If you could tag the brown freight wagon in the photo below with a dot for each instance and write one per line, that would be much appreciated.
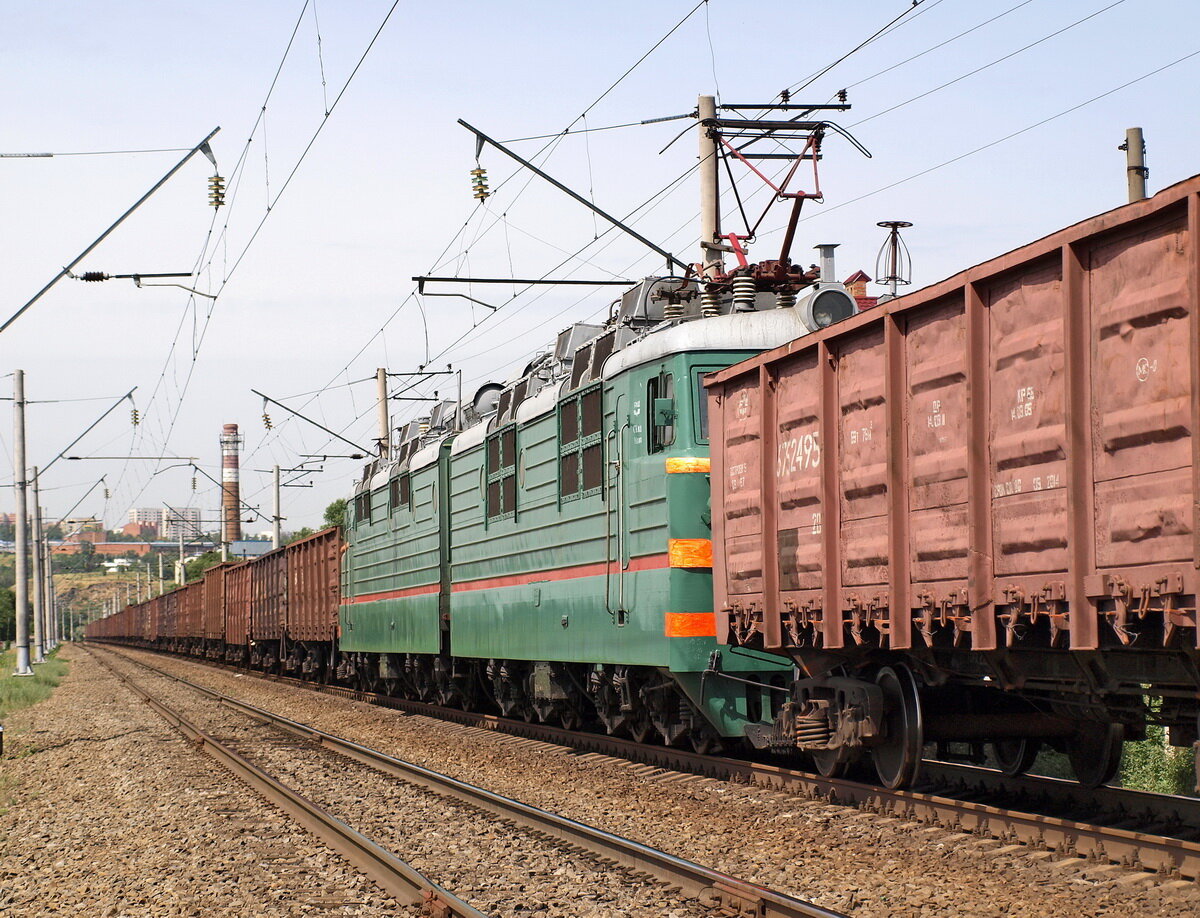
(312, 599)
(212, 628)
(989, 483)
(191, 611)
(268, 596)
(152, 617)
(168, 609)
(313, 590)
(237, 611)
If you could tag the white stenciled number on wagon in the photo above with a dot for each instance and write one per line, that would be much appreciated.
(798, 453)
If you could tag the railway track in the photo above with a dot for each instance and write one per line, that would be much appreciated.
(1152, 834)
(637, 863)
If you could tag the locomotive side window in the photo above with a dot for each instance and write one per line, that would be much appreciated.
(701, 396)
(568, 448)
(362, 508)
(400, 493)
(501, 494)
(660, 400)
(580, 444)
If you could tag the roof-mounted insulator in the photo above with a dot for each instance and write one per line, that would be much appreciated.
(479, 183)
(216, 191)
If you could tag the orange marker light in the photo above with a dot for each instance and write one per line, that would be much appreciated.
(678, 464)
(690, 552)
(690, 624)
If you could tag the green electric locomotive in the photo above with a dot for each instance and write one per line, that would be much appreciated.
(545, 550)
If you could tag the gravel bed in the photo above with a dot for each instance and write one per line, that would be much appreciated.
(500, 869)
(111, 813)
(832, 855)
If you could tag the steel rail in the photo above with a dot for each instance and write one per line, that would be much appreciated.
(710, 886)
(1069, 838)
(389, 872)
(1068, 795)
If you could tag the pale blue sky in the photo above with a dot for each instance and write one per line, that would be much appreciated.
(385, 188)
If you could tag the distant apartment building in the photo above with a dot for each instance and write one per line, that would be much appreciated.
(143, 523)
(180, 521)
(167, 523)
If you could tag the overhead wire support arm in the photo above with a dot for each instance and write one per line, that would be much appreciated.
(94, 276)
(422, 280)
(253, 510)
(338, 436)
(789, 107)
(482, 138)
(202, 146)
(66, 516)
(91, 427)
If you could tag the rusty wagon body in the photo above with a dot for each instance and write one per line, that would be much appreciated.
(992, 482)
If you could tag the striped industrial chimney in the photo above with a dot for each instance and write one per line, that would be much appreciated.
(231, 498)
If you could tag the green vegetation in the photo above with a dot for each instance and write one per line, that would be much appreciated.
(299, 534)
(335, 513)
(8, 614)
(197, 566)
(1152, 765)
(21, 692)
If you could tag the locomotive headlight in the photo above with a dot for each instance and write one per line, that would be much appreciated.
(826, 305)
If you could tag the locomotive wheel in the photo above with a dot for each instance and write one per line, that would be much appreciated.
(1095, 752)
(898, 757)
(638, 724)
(704, 740)
(569, 717)
(1015, 757)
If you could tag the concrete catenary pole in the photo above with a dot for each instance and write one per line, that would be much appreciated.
(710, 213)
(385, 438)
(22, 525)
(1135, 163)
(231, 517)
(276, 519)
(51, 602)
(39, 584)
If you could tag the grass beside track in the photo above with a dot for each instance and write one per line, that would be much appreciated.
(18, 692)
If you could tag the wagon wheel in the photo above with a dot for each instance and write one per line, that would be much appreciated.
(1015, 757)
(1095, 752)
(830, 763)
(898, 757)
